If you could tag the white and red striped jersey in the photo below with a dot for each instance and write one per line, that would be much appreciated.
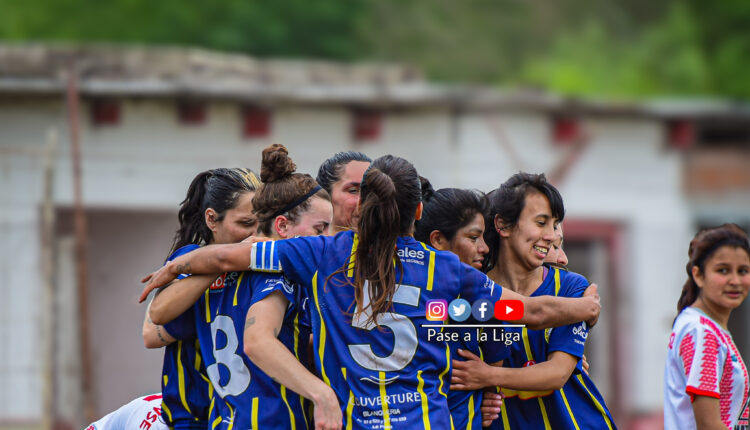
(703, 360)
(143, 413)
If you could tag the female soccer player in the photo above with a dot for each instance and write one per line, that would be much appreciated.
(556, 255)
(341, 176)
(217, 209)
(453, 220)
(287, 205)
(705, 380)
(374, 343)
(542, 380)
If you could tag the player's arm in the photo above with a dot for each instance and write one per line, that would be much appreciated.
(154, 336)
(474, 374)
(206, 260)
(549, 311)
(707, 415)
(177, 297)
(262, 327)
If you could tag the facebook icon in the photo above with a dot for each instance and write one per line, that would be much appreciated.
(481, 310)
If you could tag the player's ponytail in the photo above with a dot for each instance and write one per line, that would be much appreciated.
(705, 243)
(218, 189)
(389, 196)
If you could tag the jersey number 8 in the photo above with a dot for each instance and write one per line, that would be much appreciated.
(239, 375)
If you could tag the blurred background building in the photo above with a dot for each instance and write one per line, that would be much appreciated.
(639, 176)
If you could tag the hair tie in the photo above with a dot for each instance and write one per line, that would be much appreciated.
(297, 202)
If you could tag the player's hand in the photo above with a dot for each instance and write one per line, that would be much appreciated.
(327, 411)
(492, 403)
(585, 364)
(254, 239)
(157, 279)
(470, 374)
(593, 292)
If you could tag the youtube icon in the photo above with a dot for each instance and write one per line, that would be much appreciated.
(508, 310)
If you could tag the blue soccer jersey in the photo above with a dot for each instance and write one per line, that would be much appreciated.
(578, 404)
(246, 398)
(395, 375)
(186, 392)
(465, 406)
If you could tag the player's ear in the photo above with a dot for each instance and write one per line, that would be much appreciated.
(212, 218)
(698, 276)
(502, 227)
(281, 226)
(418, 213)
(438, 241)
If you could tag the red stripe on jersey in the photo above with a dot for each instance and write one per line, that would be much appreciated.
(698, 392)
(709, 356)
(152, 397)
(725, 388)
(687, 352)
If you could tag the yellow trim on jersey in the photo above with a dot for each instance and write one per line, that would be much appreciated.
(596, 402)
(208, 308)
(557, 281)
(384, 399)
(231, 417)
(355, 243)
(237, 288)
(471, 412)
(255, 413)
(164, 405)
(525, 395)
(322, 347)
(570, 412)
(286, 402)
(210, 410)
(430, 268)
(504, 417)
(423, 396)
(447, 368)
(181, 378)
(296, 354)
(544, 414)
(350, 405)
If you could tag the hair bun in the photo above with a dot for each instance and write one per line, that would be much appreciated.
(276, 164)
(427, 190)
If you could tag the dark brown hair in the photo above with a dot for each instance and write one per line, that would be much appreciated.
(218, 189)
(702, 247)
(389, 196)
(282, 188)
(507, 203)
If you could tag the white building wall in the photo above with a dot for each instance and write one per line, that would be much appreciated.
(147, 161)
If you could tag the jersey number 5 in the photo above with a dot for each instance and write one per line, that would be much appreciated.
(239, 375)
(404, 332)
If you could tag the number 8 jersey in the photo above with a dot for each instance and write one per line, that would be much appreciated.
(391, 376)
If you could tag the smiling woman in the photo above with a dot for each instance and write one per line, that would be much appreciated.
(705, 380)
(542, 380)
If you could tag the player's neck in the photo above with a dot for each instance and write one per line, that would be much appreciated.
(515, 276)
(716, 313)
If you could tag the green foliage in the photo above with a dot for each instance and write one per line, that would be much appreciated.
(603, 48)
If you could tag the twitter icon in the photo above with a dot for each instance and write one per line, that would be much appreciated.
(459, 310)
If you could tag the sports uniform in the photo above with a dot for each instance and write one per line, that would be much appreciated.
(465, 405)
(390, 376)
(578, 404)
(246, 398)
(185, 387)
(142, 413)
(702, 360)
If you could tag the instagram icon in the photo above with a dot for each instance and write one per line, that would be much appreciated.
(437, 310)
